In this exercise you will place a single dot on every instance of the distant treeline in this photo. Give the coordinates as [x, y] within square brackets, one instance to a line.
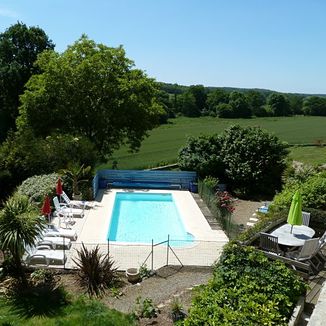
[197, 100]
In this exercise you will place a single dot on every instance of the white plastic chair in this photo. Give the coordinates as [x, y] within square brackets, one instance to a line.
[305, 218]
[65, 210]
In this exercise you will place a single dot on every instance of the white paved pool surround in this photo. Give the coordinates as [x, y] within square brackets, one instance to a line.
[93, 229]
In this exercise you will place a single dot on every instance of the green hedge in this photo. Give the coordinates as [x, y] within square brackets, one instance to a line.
[247, 289]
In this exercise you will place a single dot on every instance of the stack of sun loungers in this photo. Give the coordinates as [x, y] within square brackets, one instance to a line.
[50, 247]
[44, 255]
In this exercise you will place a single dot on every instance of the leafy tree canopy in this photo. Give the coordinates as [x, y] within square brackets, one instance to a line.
[199, 92]
[254, 159]
[201, 154]
[255, 101]
[314, 105]
[23, 155]
[19, 48]
[240, 106]
[187, 105]
[224, 110]
[312, 189]
[279, 104]
[91, 90]
[215, 98]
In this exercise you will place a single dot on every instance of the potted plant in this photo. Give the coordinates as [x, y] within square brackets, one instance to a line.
[77, 175]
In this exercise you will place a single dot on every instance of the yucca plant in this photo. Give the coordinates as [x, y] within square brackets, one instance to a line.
[97, 271]
[20, 226]
[77, 175]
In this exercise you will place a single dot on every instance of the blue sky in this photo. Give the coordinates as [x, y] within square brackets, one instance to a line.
[274, 44]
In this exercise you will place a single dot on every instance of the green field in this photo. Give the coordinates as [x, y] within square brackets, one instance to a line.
[164, 142]
[310, 155]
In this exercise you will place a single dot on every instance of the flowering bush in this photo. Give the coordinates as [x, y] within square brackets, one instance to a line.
[38, 186]
[225, 201]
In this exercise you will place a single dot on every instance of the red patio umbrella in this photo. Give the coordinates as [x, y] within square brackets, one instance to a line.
[46, 208]
[59, 188]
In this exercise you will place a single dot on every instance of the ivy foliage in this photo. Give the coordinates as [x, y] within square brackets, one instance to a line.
[247, 289]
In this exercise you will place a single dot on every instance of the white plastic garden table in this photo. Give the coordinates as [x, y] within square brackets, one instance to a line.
[300, 233]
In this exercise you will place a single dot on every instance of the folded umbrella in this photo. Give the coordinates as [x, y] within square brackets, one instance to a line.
[295, 212]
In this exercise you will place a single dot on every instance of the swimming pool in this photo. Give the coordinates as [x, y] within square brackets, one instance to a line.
[141, 217]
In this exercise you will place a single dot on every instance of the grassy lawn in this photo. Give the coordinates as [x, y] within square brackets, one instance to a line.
[164, 142]
[80, 312]
[310, 155]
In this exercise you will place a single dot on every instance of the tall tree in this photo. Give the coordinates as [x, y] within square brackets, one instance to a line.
[91, 90]
[256, 100]
[216, 97]
[296, 103]
[240, 106]
[199, 93]
[314, 105]
[187, 105]
[279, 104]
[19, 48]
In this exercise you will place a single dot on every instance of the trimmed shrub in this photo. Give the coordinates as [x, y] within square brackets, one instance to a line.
[249, 159]
[254, 159]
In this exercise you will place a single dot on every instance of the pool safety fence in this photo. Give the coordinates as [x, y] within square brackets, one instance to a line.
[154, 255]
[209, 196]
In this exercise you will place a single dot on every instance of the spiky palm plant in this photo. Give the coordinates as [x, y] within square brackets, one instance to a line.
[97, 270]
[77, 175]
[20, 225]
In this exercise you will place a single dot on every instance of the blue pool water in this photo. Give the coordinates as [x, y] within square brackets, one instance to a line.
[141, 217]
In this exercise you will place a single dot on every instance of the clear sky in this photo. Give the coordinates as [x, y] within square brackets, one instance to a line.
[273, 44]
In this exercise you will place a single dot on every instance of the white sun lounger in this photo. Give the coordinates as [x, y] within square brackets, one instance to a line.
[63, 209]
[43, 255]
[75, 203]
[53, 231]
[55, 242]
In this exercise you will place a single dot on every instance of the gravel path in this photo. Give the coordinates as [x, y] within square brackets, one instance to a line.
[169, 282]
[244, 210]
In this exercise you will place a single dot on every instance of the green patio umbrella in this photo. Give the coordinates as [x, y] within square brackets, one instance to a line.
[295, 213]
